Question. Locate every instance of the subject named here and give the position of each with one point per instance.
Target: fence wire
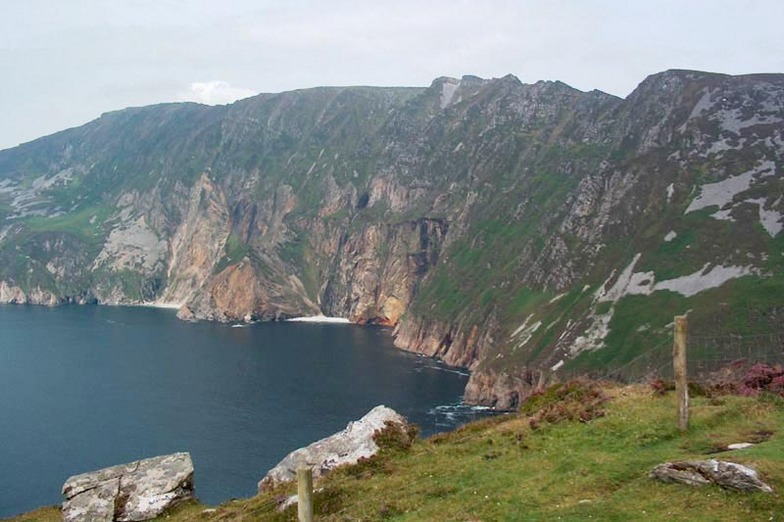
(707, 358)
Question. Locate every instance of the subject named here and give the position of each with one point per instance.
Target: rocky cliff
(510, 228)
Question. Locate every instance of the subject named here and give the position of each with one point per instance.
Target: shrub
(762, 377)
(394, 437)
(660, 386)
(576, 400)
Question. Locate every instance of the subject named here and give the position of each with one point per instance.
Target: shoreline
(319, 319)
(165, 306)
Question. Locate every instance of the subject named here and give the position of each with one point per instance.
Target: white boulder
(140, 490)
(345, 447)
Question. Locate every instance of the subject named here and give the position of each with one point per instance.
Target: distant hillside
(519, 230)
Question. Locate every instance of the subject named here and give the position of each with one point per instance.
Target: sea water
(86, 387)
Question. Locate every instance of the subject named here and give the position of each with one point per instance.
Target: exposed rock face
(378, 270)
(137, 491)
(499, 226)
(197, 244)
(14, 294)
(345, 447)
(455, 344)
(728, 475)
(133, 246)
(502, 389)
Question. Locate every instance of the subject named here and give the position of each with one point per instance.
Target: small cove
(84, 387)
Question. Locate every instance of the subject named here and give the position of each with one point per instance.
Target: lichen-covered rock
(345, 447)
(700, 472)
(140, 490)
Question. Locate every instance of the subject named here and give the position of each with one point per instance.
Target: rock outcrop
(345, 447)
(728, 475)
(15, 295)
(140, 490)
(502, 389)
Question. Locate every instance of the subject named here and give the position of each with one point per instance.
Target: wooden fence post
(679, 367)
(305, 494)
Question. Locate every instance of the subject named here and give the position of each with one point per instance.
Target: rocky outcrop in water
(141, 490)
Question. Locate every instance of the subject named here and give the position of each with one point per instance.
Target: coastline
(167, 306)
(319, 319)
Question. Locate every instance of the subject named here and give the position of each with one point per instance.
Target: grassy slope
(744, 306)
(501, 469)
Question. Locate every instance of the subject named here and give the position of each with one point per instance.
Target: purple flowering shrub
(762, 377)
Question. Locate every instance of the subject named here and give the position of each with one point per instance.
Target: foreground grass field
(581, 453)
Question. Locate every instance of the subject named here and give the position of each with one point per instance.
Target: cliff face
(504, 227)
(377, 271)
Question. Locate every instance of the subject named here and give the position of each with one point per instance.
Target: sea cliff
(505, 227)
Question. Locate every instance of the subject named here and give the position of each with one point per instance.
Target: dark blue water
(83, 388)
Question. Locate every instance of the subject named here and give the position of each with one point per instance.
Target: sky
(65, 62)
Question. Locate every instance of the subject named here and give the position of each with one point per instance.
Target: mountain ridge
(501, 226)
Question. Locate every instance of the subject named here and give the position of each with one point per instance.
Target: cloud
(148, 51)
(215, 92)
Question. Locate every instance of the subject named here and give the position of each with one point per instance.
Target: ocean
(86, 387)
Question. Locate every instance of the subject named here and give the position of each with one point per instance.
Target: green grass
(554, 314)
(674, 258)
(625, 340)
(748, 305)
(86, 223)
(445, 294)
(526, 301)
(234, 251)
(471, 281)
(502, 470)
(506, 469)
(303, 261)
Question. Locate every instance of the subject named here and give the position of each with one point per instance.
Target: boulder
(140, 490)
(345, 447)
(728, 475)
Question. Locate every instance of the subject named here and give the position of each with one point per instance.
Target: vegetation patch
(394, 437)
(751, 381)
(576, 400)
(86, 223)
(234, 251)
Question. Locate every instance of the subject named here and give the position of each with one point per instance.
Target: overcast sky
(64, 62)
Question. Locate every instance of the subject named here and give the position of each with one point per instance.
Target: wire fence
(713, 359)
(708, 357)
